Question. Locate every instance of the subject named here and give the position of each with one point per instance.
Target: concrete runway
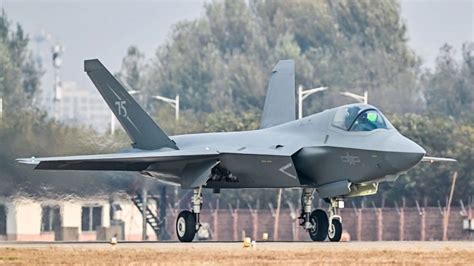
(218, 253)
(174, 245)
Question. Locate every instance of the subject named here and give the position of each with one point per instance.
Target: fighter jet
(341, 152)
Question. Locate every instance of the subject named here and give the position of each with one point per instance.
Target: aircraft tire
(319, 219)
(186, 226)
(335, 231)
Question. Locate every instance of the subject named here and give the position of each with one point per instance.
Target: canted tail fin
(141, 129)
(280, 101)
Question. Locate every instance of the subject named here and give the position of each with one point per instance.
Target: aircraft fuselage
(309, 152)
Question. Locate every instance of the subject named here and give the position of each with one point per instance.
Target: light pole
(173, 102)
(58, 50)
(112, 116)
(361, 98)
(303, 94)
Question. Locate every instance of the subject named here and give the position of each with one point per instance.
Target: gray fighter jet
(342, 152)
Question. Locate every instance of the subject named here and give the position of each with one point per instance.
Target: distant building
(78, 219)
(81, 106)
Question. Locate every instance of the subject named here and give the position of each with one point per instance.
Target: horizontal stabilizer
(141, 129)
(280, 102)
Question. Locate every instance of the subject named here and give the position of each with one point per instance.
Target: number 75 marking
(122, 111)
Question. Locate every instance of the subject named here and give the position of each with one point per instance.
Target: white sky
(105, 28)
(99, 29)
(432, 23)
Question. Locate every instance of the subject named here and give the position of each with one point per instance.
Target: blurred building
(81, 107)
(79, 219)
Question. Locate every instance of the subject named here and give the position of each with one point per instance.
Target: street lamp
(173, 102)
(360, 98)
(112, 116)
(57, 51)
(303, 94)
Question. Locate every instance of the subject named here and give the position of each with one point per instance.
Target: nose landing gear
(335, 230)
(335, 221)
(317, 223)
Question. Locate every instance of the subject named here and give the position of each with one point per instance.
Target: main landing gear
(317, 222)
(187, 223)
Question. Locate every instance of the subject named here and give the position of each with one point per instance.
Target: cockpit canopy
(359, 118)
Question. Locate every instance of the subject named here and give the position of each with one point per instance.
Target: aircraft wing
(437, 159)
(131, 161)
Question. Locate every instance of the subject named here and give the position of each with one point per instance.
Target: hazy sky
(431, 23)
(100, 29)
(104, 29)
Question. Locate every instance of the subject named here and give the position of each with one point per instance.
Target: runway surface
(218, 253)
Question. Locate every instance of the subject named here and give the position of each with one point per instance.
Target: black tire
(186, 226)
(335, 235)
(319, 220)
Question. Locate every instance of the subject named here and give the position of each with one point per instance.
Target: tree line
(220, 63)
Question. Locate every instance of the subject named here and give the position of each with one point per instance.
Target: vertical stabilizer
(141, 129)
(280, 101)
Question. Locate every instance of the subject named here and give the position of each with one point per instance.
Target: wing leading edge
(137, 161)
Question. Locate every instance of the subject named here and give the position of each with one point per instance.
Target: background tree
(222, 60)
(19, 74)
(220, 64)
(449, 89)
(133, 69)
(25, 130)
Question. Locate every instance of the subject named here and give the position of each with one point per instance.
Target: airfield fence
(360, 224)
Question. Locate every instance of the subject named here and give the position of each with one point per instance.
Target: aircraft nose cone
(405, 153)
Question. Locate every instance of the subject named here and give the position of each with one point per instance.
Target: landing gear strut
(187, 223)
(317, 223)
